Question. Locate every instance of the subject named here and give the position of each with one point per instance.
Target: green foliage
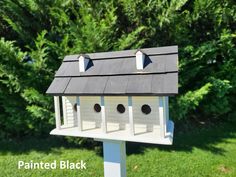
(190, 101)
(131, 40)
(45, 31)
(10, 57)
(23, 108)
(210, 101)
(218, 99)
(11, 117)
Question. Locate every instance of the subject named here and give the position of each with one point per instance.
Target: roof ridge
(125, 53)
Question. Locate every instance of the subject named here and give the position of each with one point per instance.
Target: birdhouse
(120, 95)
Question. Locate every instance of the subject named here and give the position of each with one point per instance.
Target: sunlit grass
(203, 152)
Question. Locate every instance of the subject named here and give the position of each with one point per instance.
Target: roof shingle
(115, 73)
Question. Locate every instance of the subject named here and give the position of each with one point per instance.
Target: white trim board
(96, 133)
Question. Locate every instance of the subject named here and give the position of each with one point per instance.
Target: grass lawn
(201, 152)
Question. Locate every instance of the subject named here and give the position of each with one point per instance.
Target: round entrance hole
(97, 107)
(75, 107)
(146, 109)
(120, 108)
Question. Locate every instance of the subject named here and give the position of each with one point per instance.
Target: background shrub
(45, 31)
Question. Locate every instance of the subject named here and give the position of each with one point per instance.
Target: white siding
(139, 116)
(145, 122)
(132, 125)
(71, 115)
(88, 114)
(113, 117)
(112, 114)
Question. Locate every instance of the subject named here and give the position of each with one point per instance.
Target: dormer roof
(83, 62)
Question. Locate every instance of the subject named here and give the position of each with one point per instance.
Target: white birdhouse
(117, 95)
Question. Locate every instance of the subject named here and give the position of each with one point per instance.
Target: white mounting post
(80, 125)
(114, 154)
(57, 112)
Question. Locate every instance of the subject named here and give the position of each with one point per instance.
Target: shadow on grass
(51, 144)
(205, 138)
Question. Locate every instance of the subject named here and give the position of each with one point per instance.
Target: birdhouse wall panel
(71, 117)
(87, 111)
(70, 111)
(142, 118)
(112, 103)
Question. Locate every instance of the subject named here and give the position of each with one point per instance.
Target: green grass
(201, 152)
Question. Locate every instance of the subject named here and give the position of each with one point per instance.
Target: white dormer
(140, 58)
(83, 63)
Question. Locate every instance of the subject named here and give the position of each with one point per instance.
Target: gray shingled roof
(115, 73)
